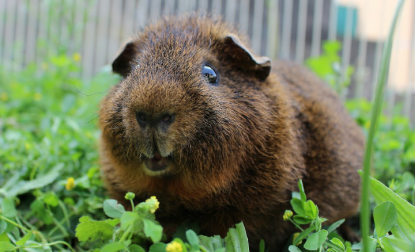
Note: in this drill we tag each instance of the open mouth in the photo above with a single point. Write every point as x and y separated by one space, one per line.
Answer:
157 162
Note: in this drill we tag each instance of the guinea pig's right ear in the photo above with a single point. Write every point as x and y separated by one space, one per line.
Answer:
239 54
122 65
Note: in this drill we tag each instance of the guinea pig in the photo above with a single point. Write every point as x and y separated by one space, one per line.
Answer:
220 135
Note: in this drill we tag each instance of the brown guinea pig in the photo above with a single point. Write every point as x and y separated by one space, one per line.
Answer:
221 136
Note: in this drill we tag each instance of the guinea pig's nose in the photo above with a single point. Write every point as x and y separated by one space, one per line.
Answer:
164 120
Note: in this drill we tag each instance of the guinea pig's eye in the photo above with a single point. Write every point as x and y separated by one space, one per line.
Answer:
209 74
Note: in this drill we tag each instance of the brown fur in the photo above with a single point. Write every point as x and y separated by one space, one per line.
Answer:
239 148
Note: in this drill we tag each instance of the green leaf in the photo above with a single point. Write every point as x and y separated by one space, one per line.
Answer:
3 226
243 238
335 225
158 247
51 199
129 218
302 220
113 247
40 181
393 244
405 228
298 206
303 235
113 209
25 238
7 208
6 246
181 230
385 217
40 211
262 246
4 238
372 245
92 230
152 230
135 248
310 209
302 192
338 243
293 248
193 239
221 250
316 240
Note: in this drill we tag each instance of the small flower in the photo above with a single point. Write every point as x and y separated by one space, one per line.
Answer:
45 66
129 196
174 246
70 183
76 57
287 215
153 203
4 97
37 96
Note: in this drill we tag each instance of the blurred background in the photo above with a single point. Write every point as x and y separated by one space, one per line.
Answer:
93 31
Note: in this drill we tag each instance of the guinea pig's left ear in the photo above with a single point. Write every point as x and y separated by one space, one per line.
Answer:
122 65
243 58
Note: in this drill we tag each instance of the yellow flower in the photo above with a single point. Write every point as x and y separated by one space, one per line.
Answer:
37 96
70 183
174 246
287 215
153 203
4 97
76 57
45 66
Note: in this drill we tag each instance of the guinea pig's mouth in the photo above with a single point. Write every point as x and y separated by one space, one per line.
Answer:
157 164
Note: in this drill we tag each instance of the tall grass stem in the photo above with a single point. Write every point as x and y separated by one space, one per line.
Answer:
376 109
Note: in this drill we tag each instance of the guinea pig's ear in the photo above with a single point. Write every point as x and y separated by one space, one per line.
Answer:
122 65
260 66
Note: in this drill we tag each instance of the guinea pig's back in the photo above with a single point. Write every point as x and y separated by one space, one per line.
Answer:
334 143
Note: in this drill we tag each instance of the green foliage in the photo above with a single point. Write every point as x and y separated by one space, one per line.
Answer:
328 67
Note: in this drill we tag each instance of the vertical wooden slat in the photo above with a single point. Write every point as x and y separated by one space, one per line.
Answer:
410 89
89 41
244 15
169 6
19 35
155 9
301 29
333 21
360 74
141 15
30 43
347 42
217 7
286 30
100 34
2 30
272 34
9 31
114 39
317 21
203 6
257 25
230 11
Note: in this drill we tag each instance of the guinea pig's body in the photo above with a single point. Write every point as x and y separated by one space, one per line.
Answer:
218 138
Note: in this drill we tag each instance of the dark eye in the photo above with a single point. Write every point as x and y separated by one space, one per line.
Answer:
209 74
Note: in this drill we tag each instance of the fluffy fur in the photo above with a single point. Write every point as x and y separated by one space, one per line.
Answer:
237 148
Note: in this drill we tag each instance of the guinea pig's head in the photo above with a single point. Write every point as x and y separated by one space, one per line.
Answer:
191 107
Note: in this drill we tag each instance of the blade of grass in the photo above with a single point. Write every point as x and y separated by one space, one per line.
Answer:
377 105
